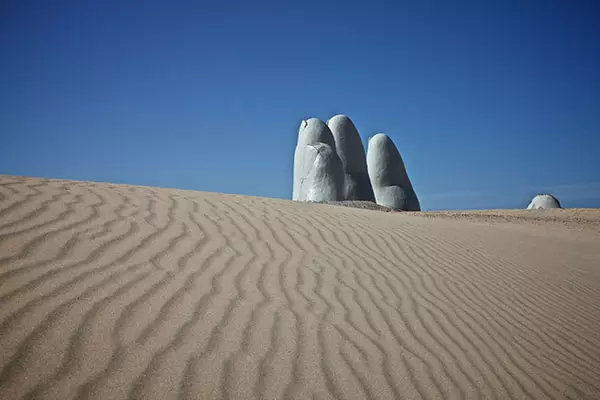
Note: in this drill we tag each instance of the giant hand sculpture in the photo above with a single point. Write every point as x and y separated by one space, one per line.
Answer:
543 201
330 165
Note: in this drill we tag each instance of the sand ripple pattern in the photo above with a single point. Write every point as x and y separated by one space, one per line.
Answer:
124 292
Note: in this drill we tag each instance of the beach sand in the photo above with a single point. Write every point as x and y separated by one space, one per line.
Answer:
115 291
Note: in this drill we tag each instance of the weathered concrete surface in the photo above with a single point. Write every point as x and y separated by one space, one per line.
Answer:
350 150
544 201
312 131
330 165
324 177
390 182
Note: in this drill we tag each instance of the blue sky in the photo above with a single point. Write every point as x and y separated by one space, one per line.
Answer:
488 102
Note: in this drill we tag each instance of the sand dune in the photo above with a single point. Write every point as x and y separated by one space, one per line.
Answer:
115 291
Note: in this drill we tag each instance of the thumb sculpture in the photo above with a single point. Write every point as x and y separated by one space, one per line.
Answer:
390 182
330 165
544 201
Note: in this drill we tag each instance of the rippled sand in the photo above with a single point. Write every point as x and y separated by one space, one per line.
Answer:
115 291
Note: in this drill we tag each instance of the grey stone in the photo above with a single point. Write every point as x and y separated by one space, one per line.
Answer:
323 177
350 150
544 201
390 182
311 132
330 165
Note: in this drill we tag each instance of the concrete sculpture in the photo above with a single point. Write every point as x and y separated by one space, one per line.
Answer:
330 165
544 201
388 175
311 162
351 152
323 175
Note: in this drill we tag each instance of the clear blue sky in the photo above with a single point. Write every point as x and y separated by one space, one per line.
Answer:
488 102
